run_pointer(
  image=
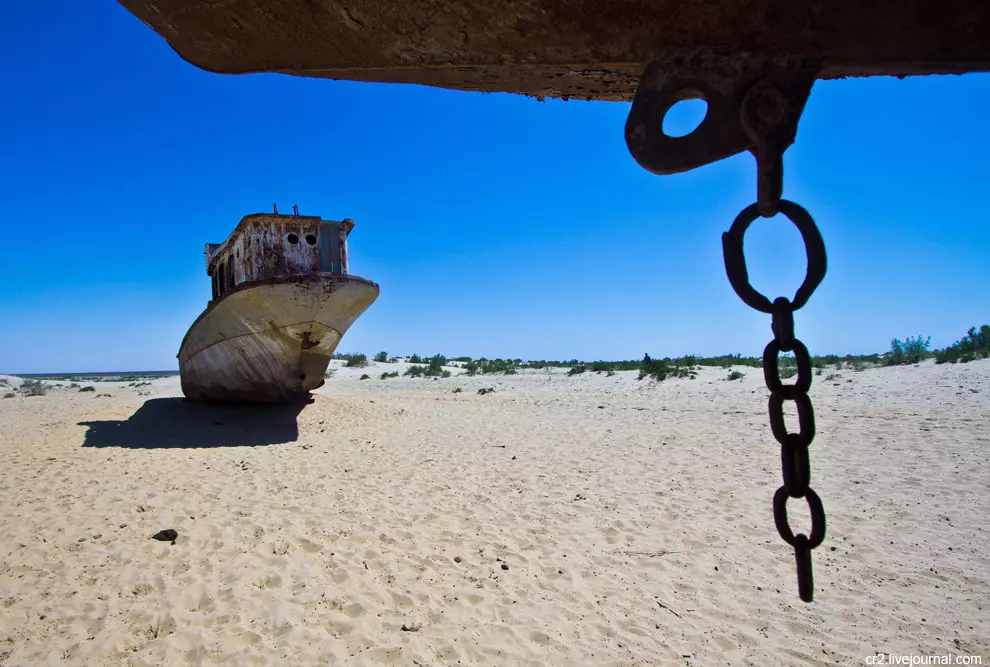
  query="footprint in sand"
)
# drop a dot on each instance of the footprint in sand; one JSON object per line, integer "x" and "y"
{"x": 354, "y": 610}
{"x": 309, "y": 546}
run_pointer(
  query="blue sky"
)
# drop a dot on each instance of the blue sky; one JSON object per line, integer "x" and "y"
{"x": 496, "y": 225}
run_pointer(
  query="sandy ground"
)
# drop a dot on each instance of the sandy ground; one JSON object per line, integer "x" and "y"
{"x": 586, "y": 520}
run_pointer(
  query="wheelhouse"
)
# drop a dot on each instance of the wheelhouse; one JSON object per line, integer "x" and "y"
{"x": 269, "y": 246}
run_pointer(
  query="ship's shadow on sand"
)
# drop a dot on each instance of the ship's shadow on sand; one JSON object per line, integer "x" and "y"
{"x": 163, "y": 423}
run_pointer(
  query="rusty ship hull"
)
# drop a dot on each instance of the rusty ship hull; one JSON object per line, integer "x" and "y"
{"x": 270, "y": 341}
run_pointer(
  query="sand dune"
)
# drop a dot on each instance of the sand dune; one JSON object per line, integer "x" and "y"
{"x": 585, "y": 520}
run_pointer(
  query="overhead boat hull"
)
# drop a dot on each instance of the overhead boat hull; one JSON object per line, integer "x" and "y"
{"x": 270, "y": 341}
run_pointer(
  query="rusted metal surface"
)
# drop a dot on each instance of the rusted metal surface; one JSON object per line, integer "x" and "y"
{"x": 264, "y": 245}
{"x": 584, "y": 49}
{"x": 276, "y": 317}
{"x": 750, "y": 105}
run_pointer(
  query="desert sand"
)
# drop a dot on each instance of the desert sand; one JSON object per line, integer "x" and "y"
{"x": 586, "y": 520}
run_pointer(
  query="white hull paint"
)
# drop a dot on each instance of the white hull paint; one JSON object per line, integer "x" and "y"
{"x": 271, "y": 341}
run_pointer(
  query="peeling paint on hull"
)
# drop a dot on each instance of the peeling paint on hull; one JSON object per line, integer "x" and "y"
{"x": 270, "y": 341}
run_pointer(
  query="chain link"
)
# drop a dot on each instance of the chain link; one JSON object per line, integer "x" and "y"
{"x": 794, "y": 459}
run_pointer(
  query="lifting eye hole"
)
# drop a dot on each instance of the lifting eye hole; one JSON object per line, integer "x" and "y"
{"x": 292, "y": 238}
{"x": 310, "y": 239}
{"x": 685, "y": 116}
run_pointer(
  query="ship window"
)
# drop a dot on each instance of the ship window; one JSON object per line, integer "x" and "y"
{"x": 292, "y": 238}
{"x": 310, "y": 239}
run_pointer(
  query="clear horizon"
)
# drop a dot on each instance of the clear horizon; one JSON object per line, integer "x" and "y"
{"x": 496, "y": 225}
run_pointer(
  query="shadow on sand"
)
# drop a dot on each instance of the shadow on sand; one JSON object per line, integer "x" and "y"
{"x": 178, "y": 423}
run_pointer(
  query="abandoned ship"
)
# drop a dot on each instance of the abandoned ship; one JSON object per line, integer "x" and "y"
{"x": 282, "y": 300}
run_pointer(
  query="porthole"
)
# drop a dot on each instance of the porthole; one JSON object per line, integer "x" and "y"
{"x": 292, "y": 238}
{"x": 310, "y": 239}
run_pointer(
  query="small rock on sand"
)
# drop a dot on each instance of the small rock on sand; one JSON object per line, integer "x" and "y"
{"x": 167, "y": 535}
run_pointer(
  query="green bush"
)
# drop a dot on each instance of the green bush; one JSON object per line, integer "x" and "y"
{"x": 661, "y": 369}
{"x": 658, "y": 370}
{"x": 87, "y": 389}
{"x": 382, "y": 357}
{"x": 432, "y": 369}
{"x": 485, "y": 366}
{"x": 393, "y": 374}
{"x": 435, "y": 367}
{"x": 949, "y": 355}
{"x": 9, "y": 394}
{"x": 34, "y": 388}
{"x": 577, "y": 370}
{"x": 735, "y": 375}
{"x": 365, "y": 377}
{"x": 415, "y": 359}
{"x": 457, "y": 390}
{"x": 356, "y": 360}
{"x": 909, "y": 351}
{"x": 975, "y": 344}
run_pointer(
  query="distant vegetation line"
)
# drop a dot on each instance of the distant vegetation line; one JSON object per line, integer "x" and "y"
{"x": 107, "y": 376}
{"x": 974, "y": 345}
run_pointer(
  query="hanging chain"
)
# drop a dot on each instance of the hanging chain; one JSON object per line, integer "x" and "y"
{"x": 753, "y": 104}
{"x": 769, "y": 120}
